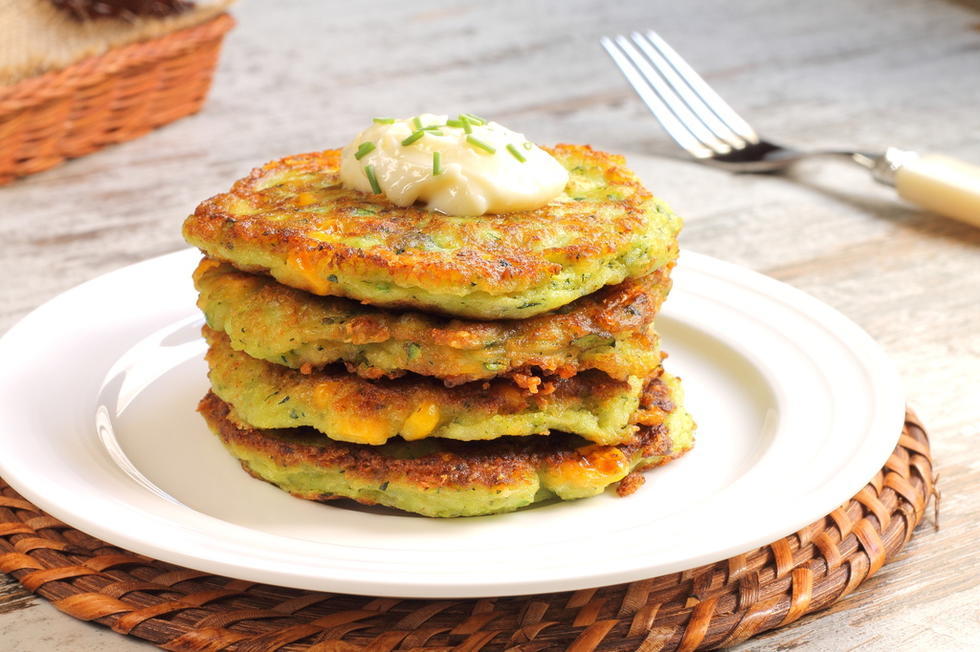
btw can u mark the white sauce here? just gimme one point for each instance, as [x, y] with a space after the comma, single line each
[472, 180]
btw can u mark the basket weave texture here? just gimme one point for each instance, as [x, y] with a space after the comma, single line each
[106, 99]
[715, 605]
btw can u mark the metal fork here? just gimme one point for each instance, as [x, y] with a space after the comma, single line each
[709, 129]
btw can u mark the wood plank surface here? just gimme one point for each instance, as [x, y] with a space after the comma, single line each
[302, 75]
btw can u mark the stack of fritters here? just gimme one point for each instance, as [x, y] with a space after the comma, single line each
[448, 366]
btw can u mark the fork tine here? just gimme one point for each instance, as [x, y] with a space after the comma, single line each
[701, 88]
[696, 107]
[655, 78]
[681, 134]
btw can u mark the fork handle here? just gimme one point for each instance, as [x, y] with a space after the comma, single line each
[941, 184]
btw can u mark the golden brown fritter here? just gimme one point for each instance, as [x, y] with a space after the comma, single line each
[346, 407]
[292, 219]
[447, 478]
[609, 330]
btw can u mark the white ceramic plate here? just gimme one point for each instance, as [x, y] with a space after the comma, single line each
[797, 408]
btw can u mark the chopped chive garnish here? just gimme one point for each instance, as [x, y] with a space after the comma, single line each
[436, 164]
[417, 122]
[527, 146]
[476, 142]
[436, 132]
[373, 180]
[415, 136]
[516, 154]
[363, 150]
[475, 119]
[384, 121]
[454, 123]
[466, 125]
[431, 127]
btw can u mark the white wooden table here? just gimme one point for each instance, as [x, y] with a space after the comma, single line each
[297, 76]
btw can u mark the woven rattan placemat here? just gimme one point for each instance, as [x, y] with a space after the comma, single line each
[711, 606]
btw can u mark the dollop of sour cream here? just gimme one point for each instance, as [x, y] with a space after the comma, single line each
[457, 166]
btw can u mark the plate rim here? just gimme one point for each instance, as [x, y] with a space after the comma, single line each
[689, 260]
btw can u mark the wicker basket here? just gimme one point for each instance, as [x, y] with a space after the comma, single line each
[107, 99]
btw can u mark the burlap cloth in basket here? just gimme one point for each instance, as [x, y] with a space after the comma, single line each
[707, 607]
[36, 37]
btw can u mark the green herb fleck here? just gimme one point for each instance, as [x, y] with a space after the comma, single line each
[332, 278]
[475, 119]
[494, 366]
[516, 154]
[383, 486]
[436, 132]
[384, 121]
[372, 179]
[363, 150]
[362, 212]
[454, 123]
[413, 350]
[414, 137]
[283, 401]
[526, 145]
[293, 414]
[436, 164]
[466, 125]
[592, 341]
[417, 122]
[476, 142]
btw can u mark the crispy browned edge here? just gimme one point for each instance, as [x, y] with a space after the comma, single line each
[630, 306]
[497, 267]
[456, 464]
[368, 397]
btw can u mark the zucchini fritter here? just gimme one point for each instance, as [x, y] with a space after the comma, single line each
[345, 407]
[610, 330]
[292, 219]
[445, 478]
